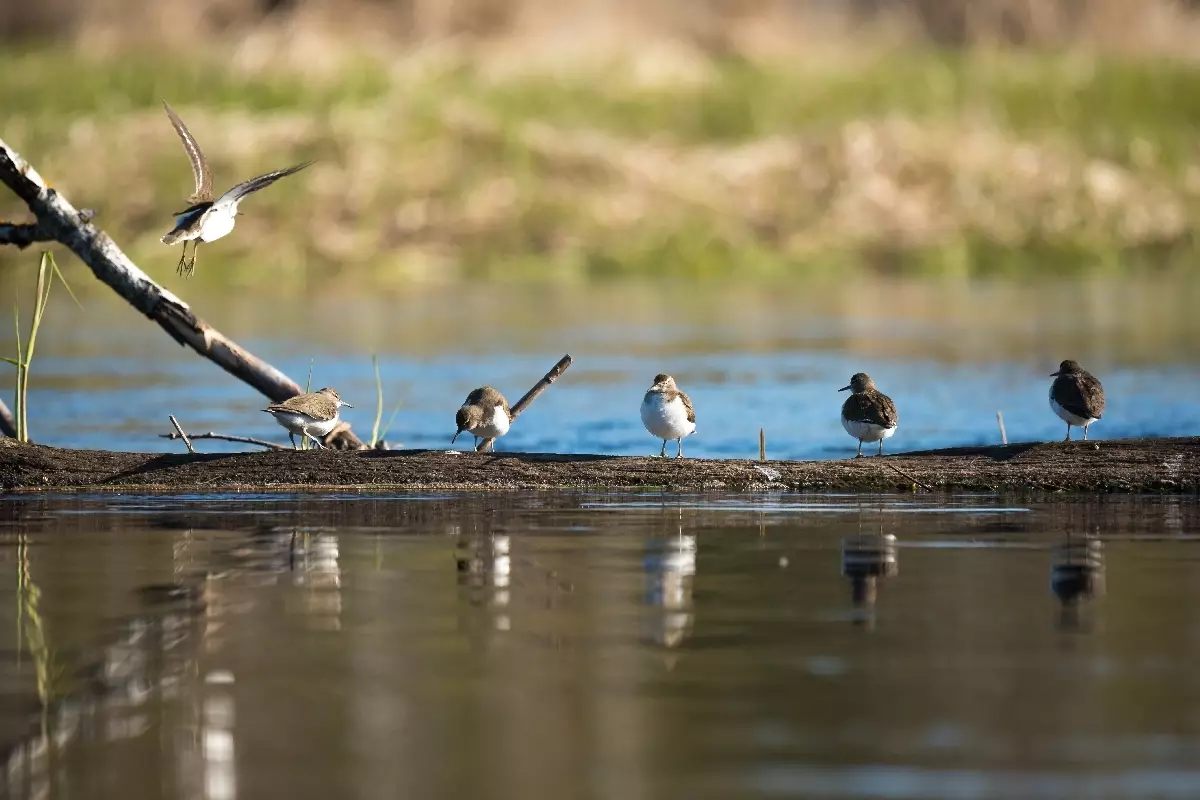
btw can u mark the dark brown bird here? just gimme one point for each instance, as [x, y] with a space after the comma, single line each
[1076, 396]
[868, 414]
[484, 414]
[313, 415]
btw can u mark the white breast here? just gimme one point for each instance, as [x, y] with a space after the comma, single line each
[666, 420]
[217, 222]
[494, 428]
[1067, 416]
[296, 422]
[867, 431]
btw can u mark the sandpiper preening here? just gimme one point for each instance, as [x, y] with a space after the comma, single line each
[206, 219]
[868, 414]
[484, 415]
[668, 414]
[1076, 396]
[313, 415]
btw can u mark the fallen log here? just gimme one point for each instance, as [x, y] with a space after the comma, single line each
[57, 220]
[1121, 466]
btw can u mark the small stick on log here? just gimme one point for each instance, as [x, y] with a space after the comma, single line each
[762, 445]
[225, 438]
[60, 221]
[182, 435]
[8, 425]
[23, 234]
[539, 387]
[1003, 433]
[925, 486]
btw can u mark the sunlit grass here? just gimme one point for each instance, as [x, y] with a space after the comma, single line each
[912, 161]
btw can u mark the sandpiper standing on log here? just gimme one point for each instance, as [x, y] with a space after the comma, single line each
[868, 414]
[668, 414]
[205, 219]
[1076, 396]
[484, 415]
[313, 415]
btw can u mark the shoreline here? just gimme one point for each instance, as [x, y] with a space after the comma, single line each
[1168, 465]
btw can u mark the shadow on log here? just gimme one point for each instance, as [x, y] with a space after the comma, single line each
[59, 221]
[1126, 466]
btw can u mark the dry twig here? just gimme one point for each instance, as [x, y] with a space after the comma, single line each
[182, 435]
[916, 482]
[223, 437]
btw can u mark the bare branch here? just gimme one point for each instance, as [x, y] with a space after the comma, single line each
[8, 425]
[223, 437]
[182, 435]
[62, 222]
[23, 234]
[539, 387]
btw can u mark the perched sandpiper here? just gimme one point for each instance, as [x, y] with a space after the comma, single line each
[668, 414]
[484, 415]
[313, 415]
[1076, 396]
[205, 219]
[868, 414]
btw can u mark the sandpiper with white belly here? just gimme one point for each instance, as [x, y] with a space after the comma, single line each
[668, 414]
[313, 415]
[868, 414]
[484, 414]
[206, 219]
[1076, 396]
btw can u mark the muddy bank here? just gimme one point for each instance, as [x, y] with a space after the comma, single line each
[1130, 465]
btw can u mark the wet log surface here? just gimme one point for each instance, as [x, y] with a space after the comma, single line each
[1130, 465]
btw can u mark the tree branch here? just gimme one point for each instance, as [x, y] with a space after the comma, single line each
[225, 438]
[8, 425]
[23, 234]
[59, 220]
[539, 387]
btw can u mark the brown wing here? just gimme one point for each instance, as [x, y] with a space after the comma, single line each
[314, 404]
[687, 403]
[873, 407]
[200, 171]
[239, 192]
[1081, 394]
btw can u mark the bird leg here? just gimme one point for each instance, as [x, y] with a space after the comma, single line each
[860, 455]
[179, 268]
[678, 447]
[315, 440]
[1085, 433]
[663, 453]
[292, 436]
[1068, 433]
[880, 447]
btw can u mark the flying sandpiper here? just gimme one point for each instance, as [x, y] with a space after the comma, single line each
[206, 219]
[1076, 396]
[484, 415]
[668, 414]
[313, 415]
[868, 414]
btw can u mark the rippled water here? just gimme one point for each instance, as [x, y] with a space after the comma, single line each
[951, 354]
[576, 645]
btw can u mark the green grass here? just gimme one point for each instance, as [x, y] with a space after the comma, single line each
[763, 169]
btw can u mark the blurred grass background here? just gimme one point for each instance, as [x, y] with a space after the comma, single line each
[501, 139]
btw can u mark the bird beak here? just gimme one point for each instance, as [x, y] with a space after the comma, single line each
[844, 389]
[455, 436]
[347, 405]
[1055, 374]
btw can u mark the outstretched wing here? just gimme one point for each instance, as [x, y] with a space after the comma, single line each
[237, 193]
[200, 170]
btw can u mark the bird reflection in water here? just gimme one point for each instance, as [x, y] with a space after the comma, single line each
[867, 558]
[670, 566]
[484, 566]
[1077, 575]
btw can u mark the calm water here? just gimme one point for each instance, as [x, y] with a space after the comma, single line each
[574, 645]
[951, 353]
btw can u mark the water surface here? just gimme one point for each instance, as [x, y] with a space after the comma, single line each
[576, 645]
